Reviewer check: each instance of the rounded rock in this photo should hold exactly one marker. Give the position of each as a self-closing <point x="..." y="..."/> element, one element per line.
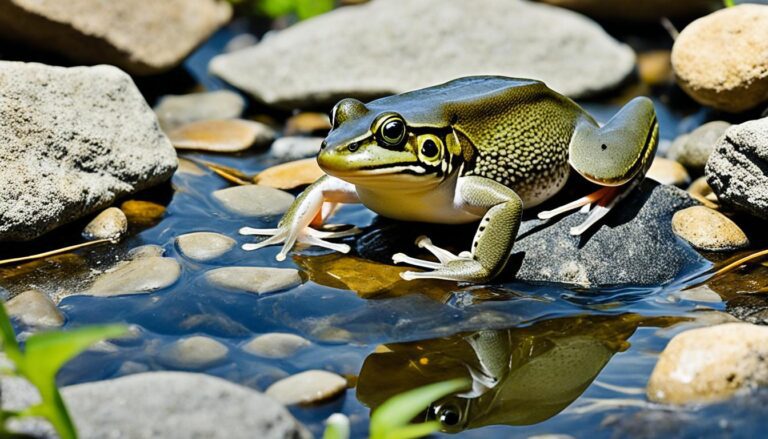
<point x="720" y="61"/>
<point x="221" y="135"/>
<point x="196" y="352"/>
<point x="35" y="308"/>
<point x="174" y="111"/>
<point x="137" y="276"/>
<point x="667" y="171"/>
<point x="708" y="229"/>
<point x="292" y="148"/>
<point x="710" y="364"/>
<point x="109" y="224"/>
<point x="701" y="191"/>
<point x="254" y="200"/>
<point x="260" y="280"/>
<point x="204" y="246"/>
<point x="276" y="345"/>
<point x="307" y="387"/>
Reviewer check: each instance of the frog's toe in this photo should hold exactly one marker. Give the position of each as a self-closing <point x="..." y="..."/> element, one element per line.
<point x="401" y="258"/>
<point x="459" y="270"/>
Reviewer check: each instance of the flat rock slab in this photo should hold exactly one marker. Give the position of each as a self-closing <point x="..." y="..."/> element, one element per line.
<point x="392" y="46"/>
<point x="164" y="405"/>
<point x="72" y="140"/>
<point x="634" y="244"/>
<point x="138" y="276"/>
<point x="141" y="36"/>
<point x="260" y="280"/>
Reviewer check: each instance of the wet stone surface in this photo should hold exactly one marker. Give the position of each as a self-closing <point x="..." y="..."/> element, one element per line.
<point x="307" y="387"/>
<point x="142" y="275"/>
<point x="204" y="246"/>
<point x="260" y="280"/>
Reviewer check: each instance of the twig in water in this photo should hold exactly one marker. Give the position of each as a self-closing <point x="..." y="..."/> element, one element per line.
<point x="54" y="252"/>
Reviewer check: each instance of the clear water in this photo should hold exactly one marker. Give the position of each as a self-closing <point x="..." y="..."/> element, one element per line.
<point x="569" y="348"/>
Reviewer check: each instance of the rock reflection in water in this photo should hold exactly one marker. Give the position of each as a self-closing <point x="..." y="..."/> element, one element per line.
<point x="520" y="376"/>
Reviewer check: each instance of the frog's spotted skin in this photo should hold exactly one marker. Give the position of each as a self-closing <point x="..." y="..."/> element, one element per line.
<point x="478" y="148"/>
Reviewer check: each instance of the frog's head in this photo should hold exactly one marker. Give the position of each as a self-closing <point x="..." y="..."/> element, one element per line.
<point x="373" y="148"/>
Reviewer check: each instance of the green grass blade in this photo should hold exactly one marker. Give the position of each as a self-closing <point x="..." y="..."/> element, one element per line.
<point x="309" y="8"/>
<point x="10" y="345"/>
<point x="277" y="8"/>
<point x="414" y="431"/>
<point x="729" y="3"/>
<point x="397" y="411"/>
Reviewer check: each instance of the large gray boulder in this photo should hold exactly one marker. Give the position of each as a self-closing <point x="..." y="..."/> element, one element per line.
<point x="392" y="46"/>
<point x="72" y="140"/>
<point x="737" y="170"/>
<point x="141" y="36"/>
<point x="162" y="405"/>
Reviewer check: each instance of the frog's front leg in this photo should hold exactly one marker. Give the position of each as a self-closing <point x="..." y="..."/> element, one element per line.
<point x="502" y="211"/>
<point x="294" y="226"/>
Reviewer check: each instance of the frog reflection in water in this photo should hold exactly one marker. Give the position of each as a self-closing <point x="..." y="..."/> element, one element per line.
<point x="474" y="149"/>
<point x="519" y="376"/>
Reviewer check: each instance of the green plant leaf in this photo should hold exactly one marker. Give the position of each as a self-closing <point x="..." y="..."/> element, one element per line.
<point x="337" y="427"/>
<point x="729" y="3"/>
<point x="309" y="8"/>
<point x="277" y="8"/>
<point x="397" y="411"/>
<point x="10" y="345"/>
<point x="414" y="430"/>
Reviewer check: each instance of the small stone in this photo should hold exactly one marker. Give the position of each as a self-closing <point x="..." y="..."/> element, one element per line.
<point x="737" y="170"/>
<point x="109" y="224"/>
<point x="701" y="191"/>
<point x="221" y="135"/>
<point x="137" y="276"/>
<point x="254" y="200"/>
<point x="701" y="293"/>
<point x="34" y="308"/>
<point x="143" y="213"/>
<point x="173" y="111"/>
<point x="204" y="246"/>
<point x="292" y="148"/>
<point x="308" y="123"/>
<point x="240" y="42"/>
<point x="276" y="345"/>
<point x="189" y="167"/>
<point x="710" y="364"/>
<point x="667" y="171"/>
<point x="708" y="229"/>
<point x="751" y="308"/>
<point x="654" y="67"/>
<point x="693" y="150"/>
<point x="260" y="280"/>
<point x="719" y="60"/>
<point x="196" y="352"/>
<point x="290" y="175"/>
<point x="145" y="251"/>
<point x="307" y="387"/>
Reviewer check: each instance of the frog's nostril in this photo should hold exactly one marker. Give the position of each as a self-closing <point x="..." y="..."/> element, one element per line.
<point x="324" y="145"/>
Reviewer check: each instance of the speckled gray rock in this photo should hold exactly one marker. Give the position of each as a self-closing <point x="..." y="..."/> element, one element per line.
<point x="72" y="140"/>
<point x="166" y="405"/>
<point x="109" y="224"/>
<point x="174" y="111"/>
<point x="204" y="246"/>
<point x="196" y="352"/>
<point x="276" y="345"/>
<point x="737" y="170"/>
<point x="260" y="280"/>
<point x="141" y="275"/>
<point x="254" y="200"/>
<point x="35" y="308"/>
<point x="141" y="36"/>
<point x="504" y="37"/>
<point x="751" y="308"/>
<point x="693" y="150"/>
<point x="637" y="235"/>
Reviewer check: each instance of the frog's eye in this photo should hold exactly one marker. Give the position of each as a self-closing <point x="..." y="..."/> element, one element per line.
<point x="392" y="131"/>
<point x="430" y="147"/>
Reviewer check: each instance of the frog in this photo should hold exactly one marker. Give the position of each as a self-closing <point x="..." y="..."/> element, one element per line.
<point x="477" y="149"/>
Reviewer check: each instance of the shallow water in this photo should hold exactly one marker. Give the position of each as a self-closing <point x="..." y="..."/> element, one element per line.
<point x="572" y="360"/>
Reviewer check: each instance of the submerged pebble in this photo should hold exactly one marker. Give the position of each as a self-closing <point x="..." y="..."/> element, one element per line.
<point x="145" y="251"/>
<point x="276" y="345"/>
<point x="196" y="352"/>
<point x="260" y="280"/>
<point x="204" y="246"/>
<point x="693" y="150"/>
<point x="221" y="135"/>
<point x="137" y="276"/>
<point x="143" y="213"/>
<point x="701" y="293"/>
<point x="710" y="364"/>
<point x="254" y="200"/>
<point x="174" y="111"/>
<point x="667" y="171"/>
<point x="708" y="229"/>
<point x="34" y="308"/>
<point x="307" y="387"/>
<point x="109" y="224"/>
<point x="292" y="148"/>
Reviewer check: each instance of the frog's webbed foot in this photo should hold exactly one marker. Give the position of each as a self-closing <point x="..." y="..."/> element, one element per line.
<point x="461" y="267"/>
<point x="289" y="238"/>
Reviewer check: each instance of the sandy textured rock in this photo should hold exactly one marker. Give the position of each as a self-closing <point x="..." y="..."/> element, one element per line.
<point x="737" y="171"/>
<point x="633" y="10"/>
<point x="174" y="111"/>
<point x="720" y="60"/>
<point x="693" y="150"/>
<point x="710" y="364"/>
<point x="307" y="387"/>
<point x="204" y="246"/>
<point x="166" y="405"/>
<point x="141" y="36"/>
<point x="109" y="224"/>
<point x="260" y="280"/>
<point x="142" y="275"/>
<point x="72" y="140"/>
<point x="34" y="308"/>
<point x="405" y="52"/>
<point x="196" y="352"/>
<point x="708" y="229"/>
<point x="254" y="200"/>
<point x="276" y="345"/>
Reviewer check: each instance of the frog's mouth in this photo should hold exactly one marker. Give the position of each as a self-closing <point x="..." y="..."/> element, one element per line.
<point x="369" y="162"/>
